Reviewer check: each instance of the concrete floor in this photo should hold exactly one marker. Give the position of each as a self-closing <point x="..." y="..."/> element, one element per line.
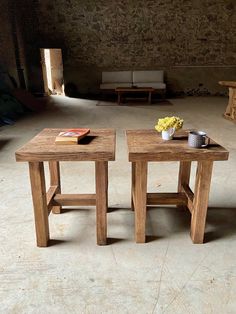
<point x="166" y="275"/>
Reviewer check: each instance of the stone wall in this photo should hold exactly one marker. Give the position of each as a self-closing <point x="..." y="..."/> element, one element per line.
<point x="18" y="44"/>
<point x="28" y="22"/>
<point x="193" y="41"/>
<point x="7" y="50"/>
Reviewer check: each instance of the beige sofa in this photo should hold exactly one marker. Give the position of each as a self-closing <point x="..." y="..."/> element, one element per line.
<point x="112" y="80"/>
<point x="154" y="79"/>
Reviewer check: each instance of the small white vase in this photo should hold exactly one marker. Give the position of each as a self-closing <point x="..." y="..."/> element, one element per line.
<point x="168" y="134"/>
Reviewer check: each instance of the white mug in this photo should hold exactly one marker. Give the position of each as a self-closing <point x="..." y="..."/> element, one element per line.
<point x="168" y="134"/>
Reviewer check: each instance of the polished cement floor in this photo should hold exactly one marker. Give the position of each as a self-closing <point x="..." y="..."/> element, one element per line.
<point x="168" y="274"/>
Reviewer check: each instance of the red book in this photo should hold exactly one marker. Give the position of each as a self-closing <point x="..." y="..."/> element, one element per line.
<point x="71" y="136"/>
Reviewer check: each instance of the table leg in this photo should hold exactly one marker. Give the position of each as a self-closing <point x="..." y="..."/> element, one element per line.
<point x="150" y="97"/>
<point x="54" y="169"/>
<point x="184" y="176"/>
<point x="132" y="185"/>
<point x="106" y="178"/>
<point x="230" y="102"/>
<point x="38" y="189"/>
<point x="200" y="202"/>
<point x="119" y="98"/>
<point x="140" y="192"/>
<point x="101" y="169"/>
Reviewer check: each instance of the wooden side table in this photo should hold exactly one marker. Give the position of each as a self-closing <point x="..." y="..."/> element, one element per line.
<point x="123" y="90"/>
<point x="147" y="146"/>
<point x="230" y="112"/>
<point x="98" y="146"/>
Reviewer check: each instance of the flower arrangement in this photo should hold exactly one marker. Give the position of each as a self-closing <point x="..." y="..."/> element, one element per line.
<point x="169" y="122"/>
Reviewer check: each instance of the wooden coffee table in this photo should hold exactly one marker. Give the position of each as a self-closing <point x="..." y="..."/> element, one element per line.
<point x="122" y="90"/>
<point x="98" y="146"/>
<point x="147" y="146"/>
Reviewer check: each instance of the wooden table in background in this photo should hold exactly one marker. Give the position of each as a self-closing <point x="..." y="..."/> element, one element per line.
<point x="123" y="90"/>
<point x="98" y="146"/>
<point x="230" y="112"/>
<point x="147" y="146"/>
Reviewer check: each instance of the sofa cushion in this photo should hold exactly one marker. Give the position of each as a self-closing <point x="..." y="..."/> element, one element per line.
<point x="155" y="85"/>
<point x="114" y="85"/>
<point x="117" y="76"/>
<point x="148" y="76"/>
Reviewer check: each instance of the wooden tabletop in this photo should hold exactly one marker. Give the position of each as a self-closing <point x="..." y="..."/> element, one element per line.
<point x="228" y="83"/>
<point x="98" y="145"/>
<point x="133" y="89"/>
<point x="147" y="145"/>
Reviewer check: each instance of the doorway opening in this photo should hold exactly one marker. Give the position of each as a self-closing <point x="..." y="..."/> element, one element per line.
<point x="52" y="67"/>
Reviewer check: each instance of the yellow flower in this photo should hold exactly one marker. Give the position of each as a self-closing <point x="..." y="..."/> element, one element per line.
<point x="169" y="122"/>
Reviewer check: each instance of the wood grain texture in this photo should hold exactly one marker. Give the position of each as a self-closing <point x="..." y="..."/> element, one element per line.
<point x="50" y="197"/>
<point x="228" y="83"/>
<point x="132" y="184"/>
<point x="101" y="172"/>
<point x="184" y="177"/>
<point x="184" y="174"/>
<point x="147" y="145"/>
<point x="54" y="170"/>
<point x="75" y="199"/>
<point x="140" y="194"/>
<point x="98" y="145"/>
<point x="200" y="202"/>
<point x="38" y="190"/>
<point x="190" y="196"/>
<point x="166" y="198"/>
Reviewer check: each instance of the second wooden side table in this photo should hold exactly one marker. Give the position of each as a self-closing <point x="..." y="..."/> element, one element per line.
<point x="147" y="146"/>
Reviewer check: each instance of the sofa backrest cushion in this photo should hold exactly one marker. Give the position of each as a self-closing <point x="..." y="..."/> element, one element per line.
<point x="117" y="76"/>
<point x="148" y="76"/>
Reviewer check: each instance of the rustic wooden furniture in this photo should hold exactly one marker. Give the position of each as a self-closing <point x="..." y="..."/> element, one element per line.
<point x="230" y="112"/>
<point x="98" y="146"/>
<point x="147" y="146"/>
<point x="122" y="90"/>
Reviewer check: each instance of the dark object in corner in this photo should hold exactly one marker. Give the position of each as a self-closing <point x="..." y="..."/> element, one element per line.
<point x="71" y="90"/>
<point x="28" y="100"/>
<point x="6" y="120"/>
